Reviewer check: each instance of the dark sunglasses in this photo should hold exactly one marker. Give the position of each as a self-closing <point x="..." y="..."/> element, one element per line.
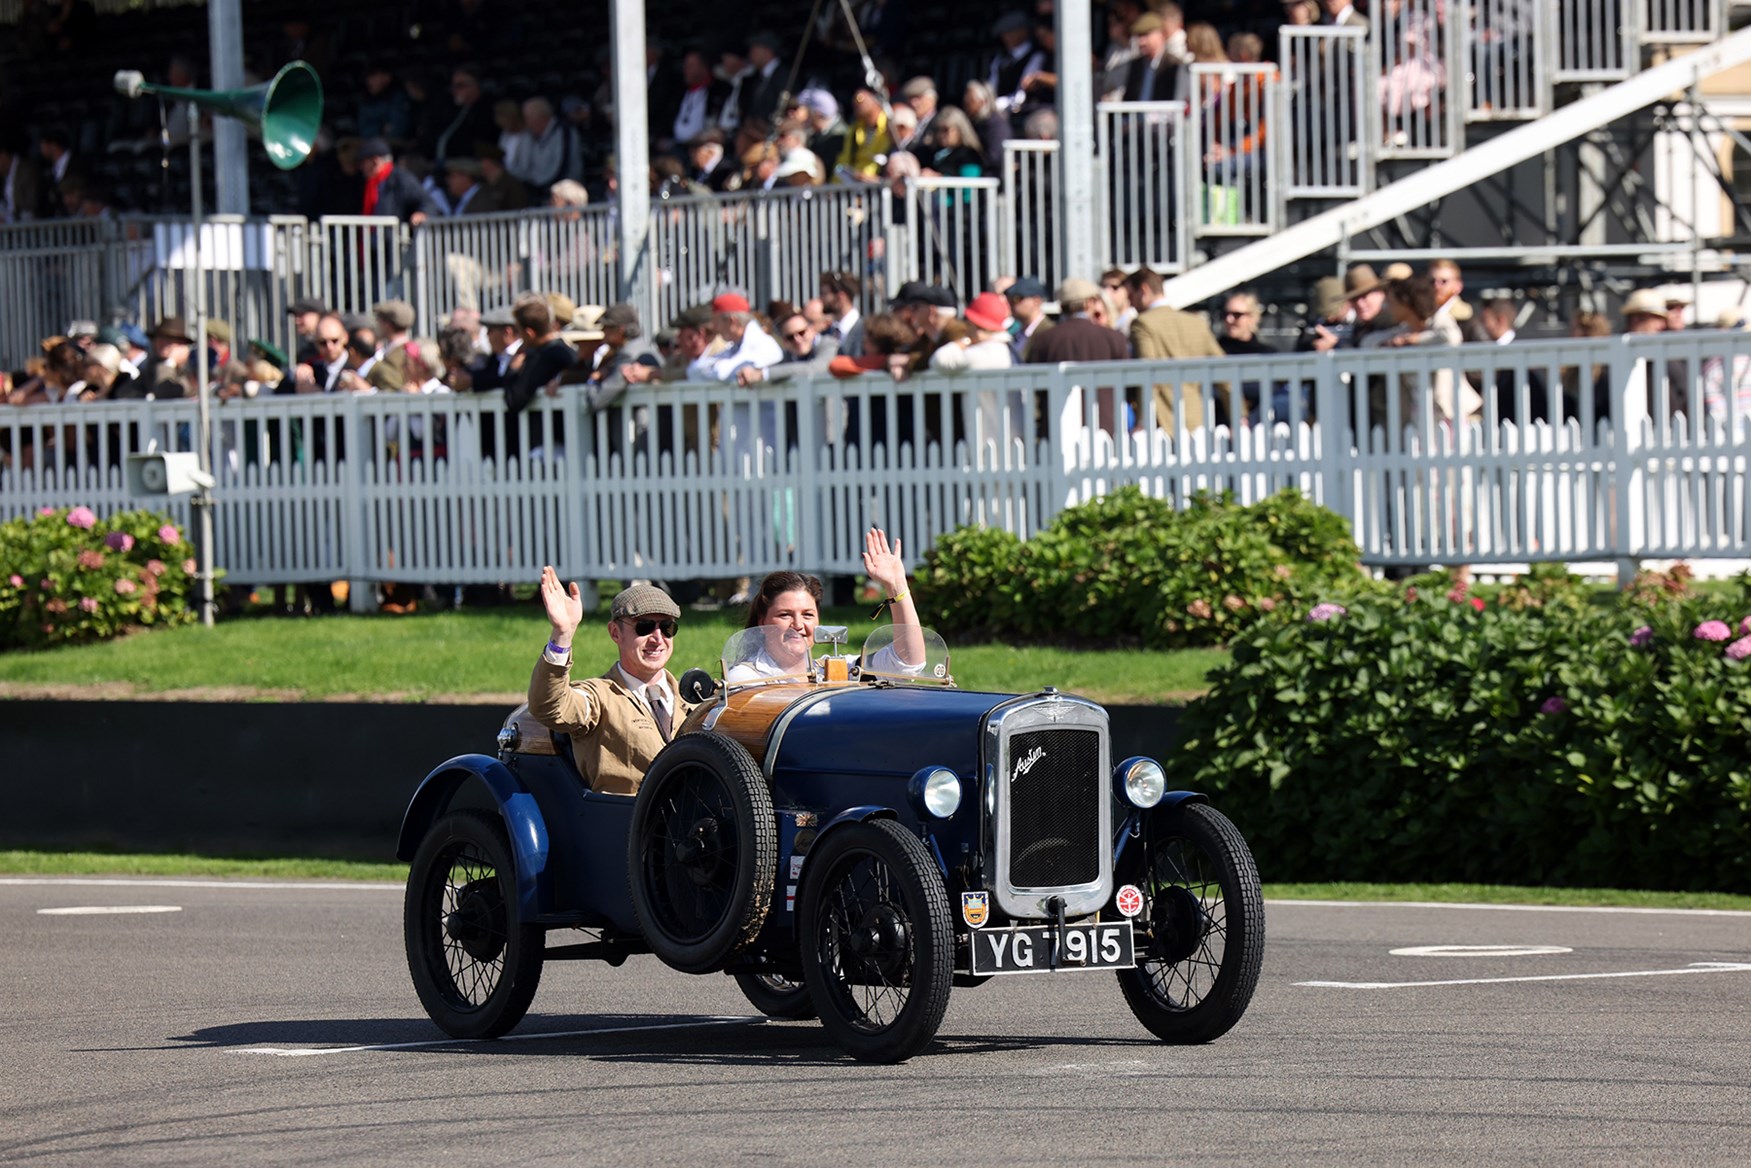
<point x="796" y="334"/>
<point x="647" y="626"/>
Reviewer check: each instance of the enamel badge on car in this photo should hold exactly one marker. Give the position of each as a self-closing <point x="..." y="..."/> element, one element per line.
<point x="1129" y="900"/>
<point x="975" y="908"/>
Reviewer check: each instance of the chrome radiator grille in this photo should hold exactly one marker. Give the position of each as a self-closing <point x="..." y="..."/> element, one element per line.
<point x="1055" y="795"/>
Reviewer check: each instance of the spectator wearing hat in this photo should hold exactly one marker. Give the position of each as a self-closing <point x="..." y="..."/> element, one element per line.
<point x="384" y="108"/>
<point x="746" y="343"/>
<point x="707" y="165"/>
<point x="619" y="359"/>
<point x="461" y="187"/>
<point x="1161" y="70"/>
<point x="696" y="346"/>
<point x="617" y="723"/>
<point x="553" y="153"/>
<point x="839" y="295"/>
<point x="1017" y="59"/>
<point x="1027" y="311"/>
<point x="503" y="340"/>
<point x="867" y="141"/>
<point x="168" y="373"/>
<point x="305" y="311"/>
<point x="1162" y="332"/>
<point x="920" y="95"/>
<point x="1076" y="337"/>
<point x="987" y="347"/>
<point x="763" y="89"/>
<point x="1496" y="319"/>
<point x="394" y="329"/>
<point x="500" y="190"/>
<point x="390" y="190"/>
<point x="825" y="128"/>
<point x="798" y="166"/>
<point x="470" y="124"/>
<point x="545" y="356"/>
<point x="1412" y="304"/>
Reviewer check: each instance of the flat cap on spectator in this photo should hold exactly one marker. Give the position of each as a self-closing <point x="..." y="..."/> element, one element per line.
<point x="1398" y="270"/>
<point x="1730" y="318"/>
<point x="1328" y="297"/>
<point x="819" y="101"/>
<point x="696" y="316"/>
<point x="271" y="353"/>
<point x="988" y="311"/>
<point x="374" y="148"/>
<point x="730" y="302"/>
<point x="1027" y="286"/>
<point x="1644" y="302"/>
<point x="305" y="304"/>
<point x="1010" y="22"/>
<point x="911" y="292"/>
<point x="395" y="312"/>
<point x="1074" y="291"/>
<point x="766" y="40"/>
<point x="917" y="87"/>
<point x="643" y="600"/>
<point x="564" y="309"/>
<point x="171" y="328"/>
<point x="462" y="164"/>
<point x="937" y="296"/>
<point x="82" y="328"/>
<point x="136" y="335"/>
<point x="710" y="136"/>
<point x="109" y="334"/>
<point x="1361" y="280"/>
<point x="623" y="316"/>
<point x="1148" y="22"/>
<point x="498" y="318"/>
<point x="219" y="330"/>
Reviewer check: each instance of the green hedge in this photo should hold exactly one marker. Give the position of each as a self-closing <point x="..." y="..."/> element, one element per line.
<point x="69" y="576"/>
<point x="1532" y="739"/>
<point x="1131" y="569"/>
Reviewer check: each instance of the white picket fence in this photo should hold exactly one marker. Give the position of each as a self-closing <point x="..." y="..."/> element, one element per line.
<point x="695" y="480"/>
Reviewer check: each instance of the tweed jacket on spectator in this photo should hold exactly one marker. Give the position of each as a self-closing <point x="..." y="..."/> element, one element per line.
<point x="1164" y="333"/>
<point x="613" y="735"/>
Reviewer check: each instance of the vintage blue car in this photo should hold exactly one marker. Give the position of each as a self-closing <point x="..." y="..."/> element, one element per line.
<point x="849" y="836"/>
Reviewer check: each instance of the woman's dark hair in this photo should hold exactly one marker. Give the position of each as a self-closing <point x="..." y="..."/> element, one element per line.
<point x="1416" y="293"/>
<point x="776" y="585"/>
<point x="886" y="333"/>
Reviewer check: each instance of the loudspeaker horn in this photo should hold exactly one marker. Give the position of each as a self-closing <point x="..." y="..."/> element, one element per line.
<point x="284" y="113"/>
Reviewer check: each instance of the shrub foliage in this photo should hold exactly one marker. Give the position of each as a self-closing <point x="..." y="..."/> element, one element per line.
<point x="1131" y="569"/>
<point x="1527" y="740"/>
<point x="69" y="576"/>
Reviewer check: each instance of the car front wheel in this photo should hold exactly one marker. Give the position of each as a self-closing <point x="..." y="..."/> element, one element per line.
<point x="475" y="964"/>
<point x="877" y="940"/>
<point x="1201" y="935"/>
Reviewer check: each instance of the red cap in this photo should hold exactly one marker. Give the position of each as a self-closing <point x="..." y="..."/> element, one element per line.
<point x="988" y="311"/>
<point x="730" y="302"/>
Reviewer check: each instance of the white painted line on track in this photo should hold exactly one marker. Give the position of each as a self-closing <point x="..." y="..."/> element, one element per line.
<point x="313" y="1051"/>
<point x="1479" y="950"/>
<point x="1693" y="967"/>
<point x="95" y="910"/>
<point x="148" y="882"/>
<point x="1638" y="911"/>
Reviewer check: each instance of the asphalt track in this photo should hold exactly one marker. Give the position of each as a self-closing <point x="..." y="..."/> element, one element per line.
<point x="274" y="1024"/>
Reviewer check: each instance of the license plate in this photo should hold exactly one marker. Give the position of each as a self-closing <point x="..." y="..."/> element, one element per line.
<point x="1028" y="948"/>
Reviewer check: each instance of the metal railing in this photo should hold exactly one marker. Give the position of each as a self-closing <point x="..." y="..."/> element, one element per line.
<point x="1417" y="52"/>
<point x="486" y="261"/>
<point x="1030" y="237"/>
<point x="945" y="231"/>
<point x="1683" y="22"/>
<point x="1595" y="40"/>
<point x="1608" y="449"/>
<point x="1507" y="71"/>
<point x="1143" y="191"/>
<point x="48" y="273"/>
<point x="1231" y="111"/>
<point x="1326" y="110"/>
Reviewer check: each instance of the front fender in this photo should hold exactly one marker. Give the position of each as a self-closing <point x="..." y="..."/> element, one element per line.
<point x="524" y="825"/>
<point x="1128" y="827"/>
<point x="850" y="815"/>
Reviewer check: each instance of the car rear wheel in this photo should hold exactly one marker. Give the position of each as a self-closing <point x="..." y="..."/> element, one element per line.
<point x="475" y="964"/>
<point x="776" y="996"/>
<point x="703" y="852"/>
<point x="1201" y="935"/>
<point x="877" y="941"/>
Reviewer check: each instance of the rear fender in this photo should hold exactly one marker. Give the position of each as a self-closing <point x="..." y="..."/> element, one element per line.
<point x="1132" y="823"/>
<point x="524" y="825"/>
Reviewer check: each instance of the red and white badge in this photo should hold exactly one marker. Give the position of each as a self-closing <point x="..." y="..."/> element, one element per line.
<point x="1129" y="900"/>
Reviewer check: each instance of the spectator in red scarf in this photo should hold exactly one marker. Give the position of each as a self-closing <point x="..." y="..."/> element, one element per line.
<point x="389" y="190"/>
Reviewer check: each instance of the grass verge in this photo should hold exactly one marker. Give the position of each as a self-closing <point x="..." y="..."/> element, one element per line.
<point x="28" y="863"/>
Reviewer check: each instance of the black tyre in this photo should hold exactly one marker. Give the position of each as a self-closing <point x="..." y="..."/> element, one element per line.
<point x="475" y="964"/>
<point x="776" y="996"/>
<point x="703" y="852"/>
<point x="877" y="940"/>
<point x="1201" y="935"/>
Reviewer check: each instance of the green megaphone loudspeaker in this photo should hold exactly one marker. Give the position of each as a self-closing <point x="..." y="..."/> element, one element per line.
<point x="284" y="113"/>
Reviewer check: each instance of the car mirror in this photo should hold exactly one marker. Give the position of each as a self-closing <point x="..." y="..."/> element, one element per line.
<point x="830" y="634"/>
<point x="696" y="685"/>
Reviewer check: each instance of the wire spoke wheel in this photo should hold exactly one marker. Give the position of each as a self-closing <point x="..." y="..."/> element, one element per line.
<point x="877" y="940"/>
<point x="703" y="852"/>
<point x="1201" y="935"/>
<point x="776" y="995"/>
<point x="474" y="964"/>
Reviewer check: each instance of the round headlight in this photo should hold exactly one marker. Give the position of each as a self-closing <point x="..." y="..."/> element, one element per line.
<point x="1143" y="781"/>
<point x="938" y="791"/>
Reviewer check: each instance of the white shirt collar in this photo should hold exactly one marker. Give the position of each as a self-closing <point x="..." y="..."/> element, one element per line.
<point x="658" y="685"/>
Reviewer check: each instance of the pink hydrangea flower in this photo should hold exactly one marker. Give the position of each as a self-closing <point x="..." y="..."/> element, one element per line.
<point x="1456" y="594"/>
<point x="125" y="586"/>
<point x="90" y="560"/>
<point x="1713" y="630"/>
<point x="119" y="541"/>
<point x="156" y="567"/>
<point x="56" y="607"/>
<point x="1477" y="603"/>
<point x="83" y="517"/>
<point x="15" y="580"/>
<point x="42" y="511"/>
<point x="1325" y="612"/>
<point x="1740" y="649"/>
<point x="170" y="535"/>
<point x="1641" y="638"/>
<point x="1745" y="625"/>
<point x="1200" y="609"/>
<point x="1553" y="705"/>
<point x="46" y="584"/>
<point x="88" y="604"/>
<point x="189" y="566"/>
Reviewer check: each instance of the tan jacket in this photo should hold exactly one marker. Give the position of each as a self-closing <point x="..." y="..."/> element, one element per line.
<point x="614" y="737"/>
<point x="1164" y="333"/>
